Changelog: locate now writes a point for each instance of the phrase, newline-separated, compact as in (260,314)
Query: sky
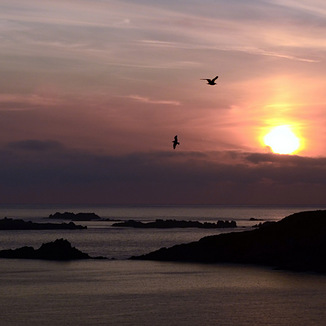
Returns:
(92,93)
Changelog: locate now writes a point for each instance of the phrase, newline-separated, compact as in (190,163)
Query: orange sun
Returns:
(282,140)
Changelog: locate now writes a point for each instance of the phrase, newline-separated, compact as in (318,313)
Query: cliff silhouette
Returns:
(297,242)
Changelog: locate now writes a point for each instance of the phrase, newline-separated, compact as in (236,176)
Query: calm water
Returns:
(123,292)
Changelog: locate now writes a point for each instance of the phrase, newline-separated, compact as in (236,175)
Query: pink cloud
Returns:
(153,101)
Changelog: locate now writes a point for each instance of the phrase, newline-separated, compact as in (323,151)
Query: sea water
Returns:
(124,292)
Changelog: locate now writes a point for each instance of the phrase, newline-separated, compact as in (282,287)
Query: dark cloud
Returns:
(35,145)
(47,172)
(4,105)
(259,158)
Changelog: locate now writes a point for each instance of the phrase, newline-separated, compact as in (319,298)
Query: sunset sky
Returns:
(94,91)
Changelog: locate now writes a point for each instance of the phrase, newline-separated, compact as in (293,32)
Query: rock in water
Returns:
(60,249)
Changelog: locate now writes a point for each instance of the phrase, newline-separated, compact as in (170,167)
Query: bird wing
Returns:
(214,78)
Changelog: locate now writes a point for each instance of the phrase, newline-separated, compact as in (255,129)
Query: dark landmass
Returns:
(60,249)
(75,217)
(297,242)
(11,224)
(262,224)
(165,224)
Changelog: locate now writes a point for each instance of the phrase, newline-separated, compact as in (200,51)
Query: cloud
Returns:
(148,100)
(35,145)
(277,54)
(316,7)
(19,102)
(161,43)
(286,160)
(56,174)
(224,46)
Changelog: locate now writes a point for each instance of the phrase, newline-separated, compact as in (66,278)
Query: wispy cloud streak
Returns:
(148,100)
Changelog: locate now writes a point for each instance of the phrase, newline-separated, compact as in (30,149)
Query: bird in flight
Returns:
(175,141)
(210,81)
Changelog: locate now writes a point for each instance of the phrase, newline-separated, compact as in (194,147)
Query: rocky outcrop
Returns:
(297,242)
(75,217)
(60,249)
(165,224)
(13,224)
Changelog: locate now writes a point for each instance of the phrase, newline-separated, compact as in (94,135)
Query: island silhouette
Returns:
(75,217)
(168,224)
(297,242)
(59,249)
(18,224)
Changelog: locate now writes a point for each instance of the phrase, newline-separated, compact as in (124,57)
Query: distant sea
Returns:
(123,292)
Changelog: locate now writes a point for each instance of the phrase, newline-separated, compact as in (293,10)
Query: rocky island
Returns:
(164,224)
(60,249)
(13,224)
(74,217)
(297,242)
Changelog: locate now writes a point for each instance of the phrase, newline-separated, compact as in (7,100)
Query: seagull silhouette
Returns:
(210,81)
(175,141)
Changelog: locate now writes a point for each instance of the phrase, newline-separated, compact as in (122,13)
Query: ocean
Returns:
(123,292)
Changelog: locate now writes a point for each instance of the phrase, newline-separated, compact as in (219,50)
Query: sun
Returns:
(282,140)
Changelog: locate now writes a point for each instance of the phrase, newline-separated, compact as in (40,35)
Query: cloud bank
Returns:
(47,172)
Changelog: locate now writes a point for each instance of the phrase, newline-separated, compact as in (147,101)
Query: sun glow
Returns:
(282,140)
